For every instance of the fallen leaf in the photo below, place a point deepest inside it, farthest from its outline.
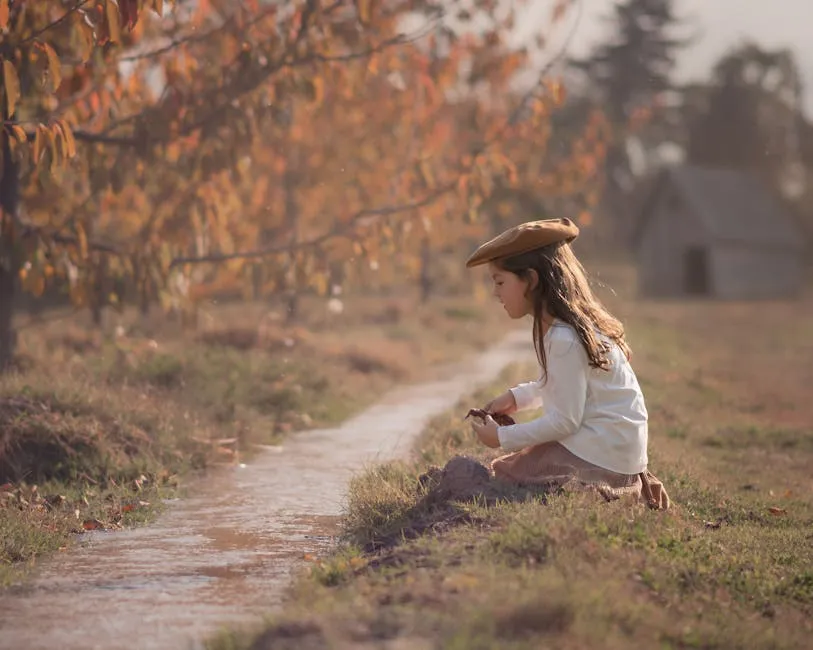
(713, 524)
(777, 511)
(129, 507)
(92, 524)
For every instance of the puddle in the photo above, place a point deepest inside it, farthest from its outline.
(226, 554)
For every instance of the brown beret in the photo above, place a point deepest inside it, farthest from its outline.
(524, 238)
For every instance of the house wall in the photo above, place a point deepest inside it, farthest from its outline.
(742, 272)
(667, 233)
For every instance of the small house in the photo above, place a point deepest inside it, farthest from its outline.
(717, 233)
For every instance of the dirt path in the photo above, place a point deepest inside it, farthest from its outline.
(226, 554)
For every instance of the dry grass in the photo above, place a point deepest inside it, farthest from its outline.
(728, 567)
(92, 411)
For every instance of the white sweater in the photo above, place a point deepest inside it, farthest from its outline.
(598, 415)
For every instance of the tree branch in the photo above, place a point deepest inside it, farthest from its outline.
(193, 38)
(243, 84)
(344, 230)
(56, 23)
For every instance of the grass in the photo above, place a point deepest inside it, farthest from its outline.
(99, 426)
(729, 566)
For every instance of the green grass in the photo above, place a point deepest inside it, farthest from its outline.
(728, 566)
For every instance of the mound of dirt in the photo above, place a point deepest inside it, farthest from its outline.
(461, 479)
(43, 438)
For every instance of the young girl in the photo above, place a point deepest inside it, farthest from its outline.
(594, 427)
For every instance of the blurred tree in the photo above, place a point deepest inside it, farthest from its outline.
(276, 146)
(750, 117)
(634, 67)
(629, 76)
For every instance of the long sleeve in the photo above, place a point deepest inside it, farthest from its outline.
(528, 395)
(564, 395)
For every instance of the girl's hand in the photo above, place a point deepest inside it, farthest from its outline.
(487, 432)
(505, 403)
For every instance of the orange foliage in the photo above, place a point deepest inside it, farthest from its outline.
(271, 140)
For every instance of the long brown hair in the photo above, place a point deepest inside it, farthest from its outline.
(563, 290)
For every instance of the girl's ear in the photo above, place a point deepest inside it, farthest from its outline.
(533, 279)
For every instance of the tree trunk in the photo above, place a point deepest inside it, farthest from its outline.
(9, 250)
(144, 298)
(96, 312)
(99, 296)
(291, 219)
(292, 307)
(7, 334)
(426, 275)
(141, 287)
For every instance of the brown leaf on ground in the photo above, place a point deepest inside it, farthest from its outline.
(777, 511)
(92, 524)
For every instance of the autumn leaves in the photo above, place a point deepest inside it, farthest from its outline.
(274, 145)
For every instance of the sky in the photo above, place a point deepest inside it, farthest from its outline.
(721, 24)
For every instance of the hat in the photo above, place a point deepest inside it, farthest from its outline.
(524, 238)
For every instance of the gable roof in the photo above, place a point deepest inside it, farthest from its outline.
(732, 205)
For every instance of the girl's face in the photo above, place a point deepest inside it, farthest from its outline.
(512, 291)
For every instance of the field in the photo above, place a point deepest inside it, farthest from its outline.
(98, 425)
(728, 566)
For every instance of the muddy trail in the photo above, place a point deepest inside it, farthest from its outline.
(226, 554)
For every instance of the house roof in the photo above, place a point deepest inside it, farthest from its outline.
(732, 205)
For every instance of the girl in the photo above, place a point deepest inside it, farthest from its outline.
(594, 427)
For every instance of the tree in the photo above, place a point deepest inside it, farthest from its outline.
(629, 75)
(750, 116)
(633, 69)
(252, 142)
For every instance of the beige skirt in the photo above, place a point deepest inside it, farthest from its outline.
(551, 464)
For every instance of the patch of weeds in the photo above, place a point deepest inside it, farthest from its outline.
(388, 505)
(761, 437)
(381, 503)
(366, 363)
(162, 370)
(533, 617)
(399, 333)
(20, 541)
(35, 520)
(674, 546)
(799, 588)
(280, 635)
(462, 313)
(615, 529)
(522, 621)
(522, 542)
(677, 432)
(338, 568)
(80, 456)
